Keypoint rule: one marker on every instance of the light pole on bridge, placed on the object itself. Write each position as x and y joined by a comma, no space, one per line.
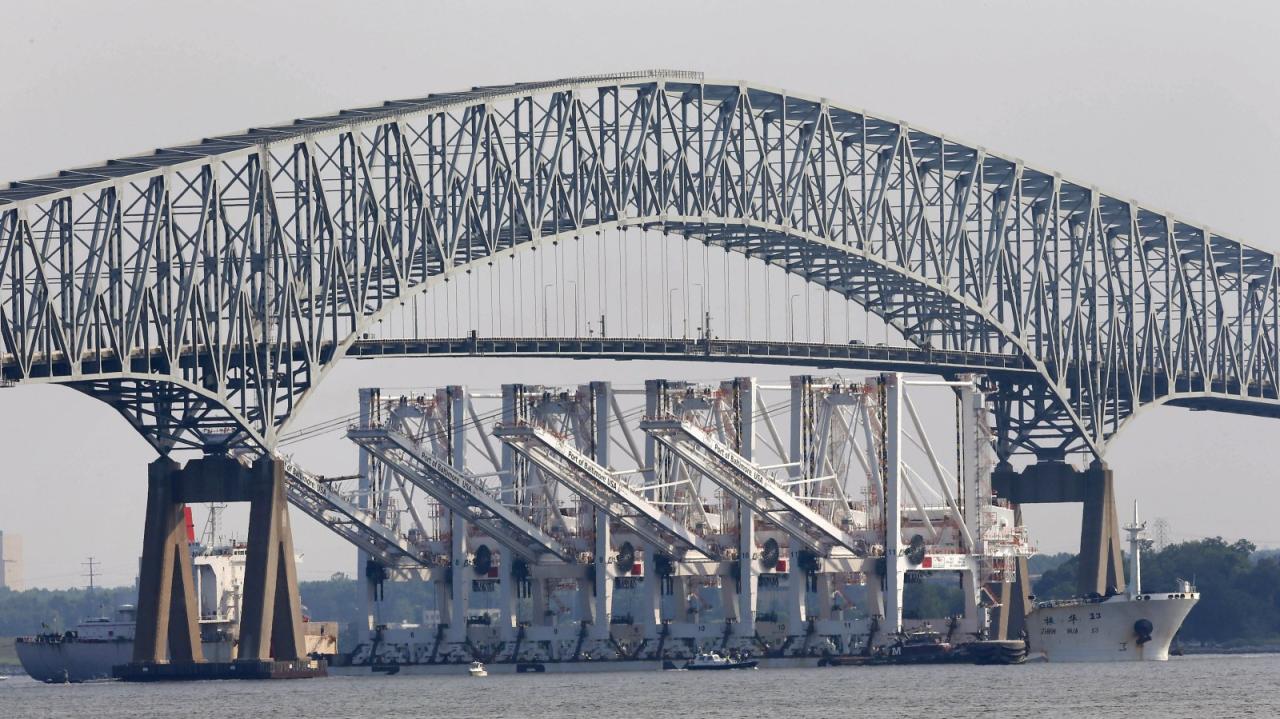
575,305
702,308
792,311
545,302
672,303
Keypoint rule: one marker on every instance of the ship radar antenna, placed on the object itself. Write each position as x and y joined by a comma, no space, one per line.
1135,551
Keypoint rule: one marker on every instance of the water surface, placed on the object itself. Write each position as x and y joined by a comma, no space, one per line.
1200,686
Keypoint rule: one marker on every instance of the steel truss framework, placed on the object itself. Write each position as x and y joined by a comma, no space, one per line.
204,289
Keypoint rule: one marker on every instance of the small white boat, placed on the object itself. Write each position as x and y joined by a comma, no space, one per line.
3,677
713,661
477,670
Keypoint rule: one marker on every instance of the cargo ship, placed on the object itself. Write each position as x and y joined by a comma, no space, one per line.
1133,626
89,651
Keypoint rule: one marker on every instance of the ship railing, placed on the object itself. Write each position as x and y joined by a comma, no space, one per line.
1075,601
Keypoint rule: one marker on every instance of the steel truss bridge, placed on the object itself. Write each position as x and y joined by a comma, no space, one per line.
204,290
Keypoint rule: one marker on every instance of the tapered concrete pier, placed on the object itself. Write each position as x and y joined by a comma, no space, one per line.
1100,570
167,643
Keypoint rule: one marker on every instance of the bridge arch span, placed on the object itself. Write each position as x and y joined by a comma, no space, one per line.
916,307
238,269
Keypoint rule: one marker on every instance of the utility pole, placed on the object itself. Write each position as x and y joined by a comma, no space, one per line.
91,572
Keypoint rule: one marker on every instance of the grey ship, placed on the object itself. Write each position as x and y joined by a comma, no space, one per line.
88,652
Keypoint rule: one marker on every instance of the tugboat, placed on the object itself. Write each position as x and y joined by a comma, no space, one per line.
922,647
713,661
477,670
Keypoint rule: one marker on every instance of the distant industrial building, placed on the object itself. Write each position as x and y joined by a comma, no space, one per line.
11,561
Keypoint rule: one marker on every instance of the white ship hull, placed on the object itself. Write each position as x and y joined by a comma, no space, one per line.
1104,631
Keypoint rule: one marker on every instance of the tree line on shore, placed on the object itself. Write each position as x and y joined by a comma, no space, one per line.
1239,588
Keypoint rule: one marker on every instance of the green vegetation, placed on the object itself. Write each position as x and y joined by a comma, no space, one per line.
1239,588
929,597
1038,564
49,610
335,600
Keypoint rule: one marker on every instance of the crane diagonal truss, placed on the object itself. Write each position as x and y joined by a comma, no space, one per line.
748,484
454,489
204,289
598,485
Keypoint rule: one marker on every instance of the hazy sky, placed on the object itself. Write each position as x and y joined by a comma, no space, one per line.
1176,104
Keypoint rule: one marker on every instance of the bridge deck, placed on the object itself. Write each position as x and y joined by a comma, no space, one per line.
871,357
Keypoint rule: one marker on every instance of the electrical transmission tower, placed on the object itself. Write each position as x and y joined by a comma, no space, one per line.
1160,530
91,571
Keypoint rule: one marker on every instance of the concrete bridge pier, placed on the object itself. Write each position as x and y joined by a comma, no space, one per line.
168,631
1101,564
1100,570
1007,620
271,612
168,624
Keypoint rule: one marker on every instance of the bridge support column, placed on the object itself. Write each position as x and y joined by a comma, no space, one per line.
168,628
1010,617
271,614
1100,561
270,611
1056,482
748,568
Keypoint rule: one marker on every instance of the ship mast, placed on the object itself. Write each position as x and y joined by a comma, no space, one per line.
1135,553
